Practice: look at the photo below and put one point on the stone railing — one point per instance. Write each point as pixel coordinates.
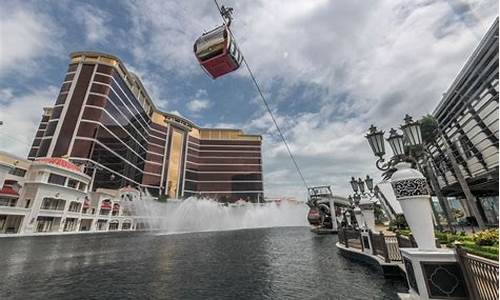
(350, 238)
(471, 277)
(386, 247)
(481, 275)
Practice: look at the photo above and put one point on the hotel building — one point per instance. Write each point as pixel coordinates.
(104, 119)
(468, 118)
(51, 196)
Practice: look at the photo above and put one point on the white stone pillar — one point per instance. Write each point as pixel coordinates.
(359, 217)
(348, 217)
(368, 211)
(333, 215)
(410, 188)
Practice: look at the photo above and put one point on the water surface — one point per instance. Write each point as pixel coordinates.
(266, 263)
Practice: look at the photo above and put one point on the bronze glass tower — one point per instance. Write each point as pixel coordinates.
(104, 117)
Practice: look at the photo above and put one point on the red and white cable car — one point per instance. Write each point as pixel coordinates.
(217, 51)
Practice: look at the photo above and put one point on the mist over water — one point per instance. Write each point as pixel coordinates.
(197, 215)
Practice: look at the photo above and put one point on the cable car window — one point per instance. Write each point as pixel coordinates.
(232, 48)
(217, 36)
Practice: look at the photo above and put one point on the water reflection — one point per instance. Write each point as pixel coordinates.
(272, 263)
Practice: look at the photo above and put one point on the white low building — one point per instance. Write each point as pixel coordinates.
(50, 196)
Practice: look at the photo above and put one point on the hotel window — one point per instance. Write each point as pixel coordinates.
(82, 186)
(7, 201)
(18, 172)
(72, 183)
(57, 179)
(74, 206)
(53, 204)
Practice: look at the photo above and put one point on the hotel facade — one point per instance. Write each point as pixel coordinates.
(105, 120)
(468, 119)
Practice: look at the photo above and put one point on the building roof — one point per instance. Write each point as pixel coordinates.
(61, 163)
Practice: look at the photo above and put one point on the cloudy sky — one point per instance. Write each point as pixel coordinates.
(328, 68)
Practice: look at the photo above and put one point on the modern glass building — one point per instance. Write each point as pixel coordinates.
(104, 118)
(468, 119)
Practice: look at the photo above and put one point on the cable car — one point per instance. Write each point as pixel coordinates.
(217, 52)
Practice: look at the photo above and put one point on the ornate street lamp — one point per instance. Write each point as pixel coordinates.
(409, 185)
(412, 132)
(363, 203)
(412, 136)
(396, 141)
(354, 185)
(361, 186)
(369, 183)
(376, 140)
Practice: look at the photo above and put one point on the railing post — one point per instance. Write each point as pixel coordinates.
(370, 237)
(461, 255)
(361, 241)
(384, 248)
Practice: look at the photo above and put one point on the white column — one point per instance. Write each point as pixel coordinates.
(333, 215)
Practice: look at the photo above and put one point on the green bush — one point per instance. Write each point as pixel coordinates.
(398, 224)
(487, 237)
(490, 252)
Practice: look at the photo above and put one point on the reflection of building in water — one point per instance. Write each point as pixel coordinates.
(105, 118)
(50, 196)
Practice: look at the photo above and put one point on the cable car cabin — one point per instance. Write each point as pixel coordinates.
(217, 52)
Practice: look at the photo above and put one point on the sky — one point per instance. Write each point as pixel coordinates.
(329, 69)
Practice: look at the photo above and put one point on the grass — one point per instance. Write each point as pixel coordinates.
(468, 244)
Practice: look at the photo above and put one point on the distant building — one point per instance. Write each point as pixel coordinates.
(50, 196)
(104, 118)
(468, 118)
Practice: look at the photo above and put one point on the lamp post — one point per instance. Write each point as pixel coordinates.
(362, 199)
(409, 184)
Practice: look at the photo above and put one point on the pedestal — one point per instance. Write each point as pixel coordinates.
(433, 274)
(365, 239)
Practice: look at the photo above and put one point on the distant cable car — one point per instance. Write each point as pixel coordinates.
(217, 51)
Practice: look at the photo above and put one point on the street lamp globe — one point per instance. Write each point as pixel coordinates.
(376, 140)
(361, 185)
(369, 182)
(396, 141)
(411, 131)
(354, 184)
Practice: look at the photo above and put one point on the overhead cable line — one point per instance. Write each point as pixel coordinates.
(226, 18)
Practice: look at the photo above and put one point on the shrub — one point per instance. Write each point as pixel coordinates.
(398, 223)
(487, 237)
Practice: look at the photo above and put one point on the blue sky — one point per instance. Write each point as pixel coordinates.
(328, 68)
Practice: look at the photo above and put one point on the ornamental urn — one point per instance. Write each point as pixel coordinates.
(410, 188)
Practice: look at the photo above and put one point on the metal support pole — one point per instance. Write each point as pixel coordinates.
(471, 200)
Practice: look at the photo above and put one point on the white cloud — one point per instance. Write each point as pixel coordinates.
(21, 114)
(25, 36)
(359, 62)
(199, 102)
(94, 21)
(197, 105)
(372, 62)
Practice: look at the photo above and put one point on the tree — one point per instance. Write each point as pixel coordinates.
(429, 127)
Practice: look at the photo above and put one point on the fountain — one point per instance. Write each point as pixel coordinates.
(202, 214)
